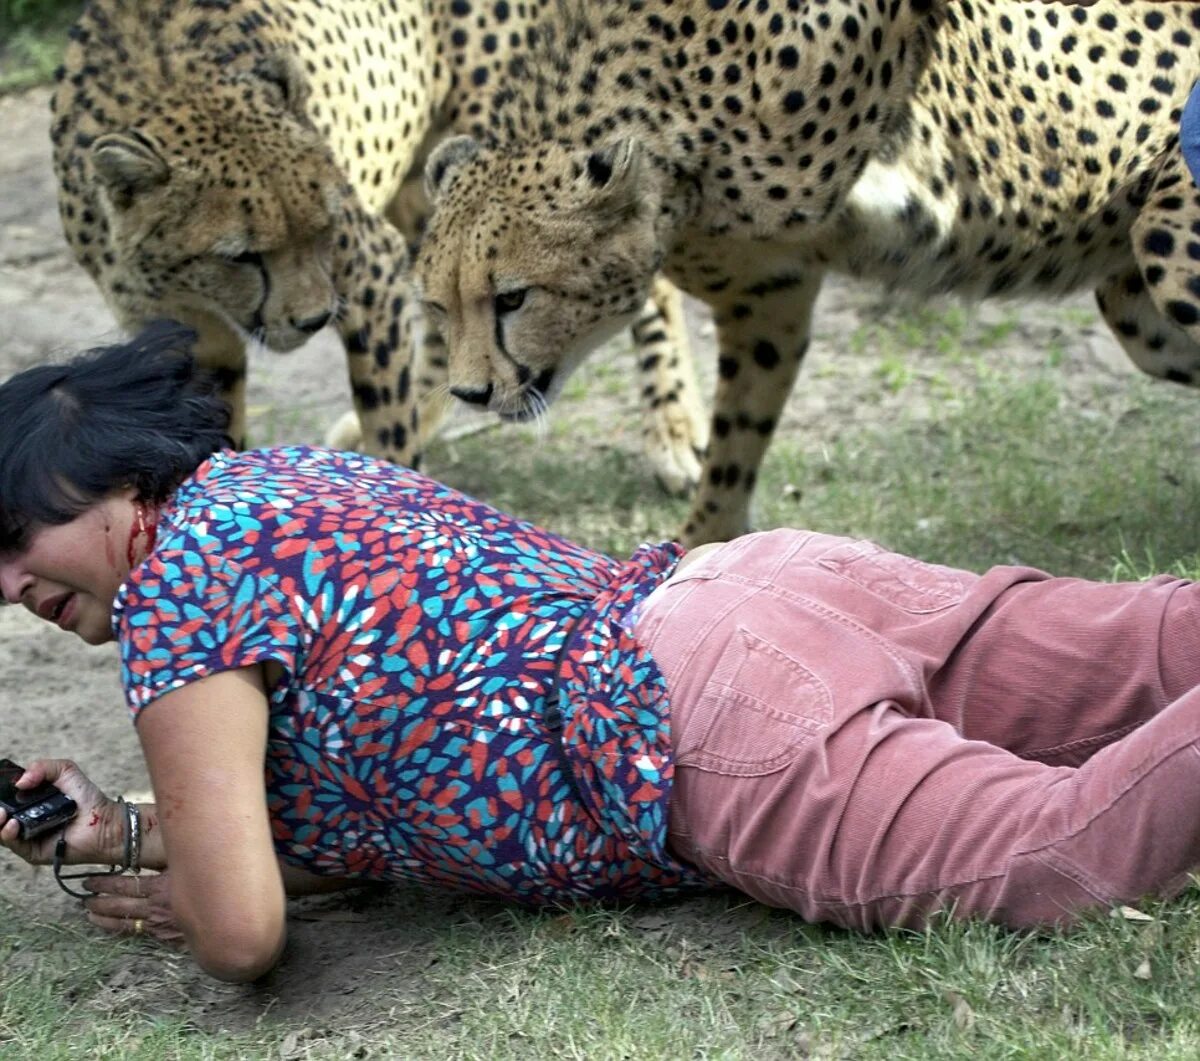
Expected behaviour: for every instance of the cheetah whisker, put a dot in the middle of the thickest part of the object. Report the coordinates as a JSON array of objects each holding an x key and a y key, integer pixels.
[
  {"x": 340, "y": 307},
  {"x": 536, "y": 404}
]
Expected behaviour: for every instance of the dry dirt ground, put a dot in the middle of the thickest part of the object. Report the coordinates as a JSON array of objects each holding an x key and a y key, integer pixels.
[{"x": 352, "y": 962}]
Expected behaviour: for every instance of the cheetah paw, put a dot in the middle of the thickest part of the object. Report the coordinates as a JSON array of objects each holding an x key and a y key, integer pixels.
[
  {"x": 346, "y": 433},
  {"x": 674, "y": 441}
]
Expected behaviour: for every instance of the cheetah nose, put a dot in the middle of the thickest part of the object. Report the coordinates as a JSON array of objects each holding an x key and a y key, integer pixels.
[
  {"x": 311, "y": 325},
  {"x": 473, "y": 395}
]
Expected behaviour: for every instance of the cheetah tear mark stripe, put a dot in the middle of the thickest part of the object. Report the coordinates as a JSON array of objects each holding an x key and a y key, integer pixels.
[{"x": 418, "y": 632}]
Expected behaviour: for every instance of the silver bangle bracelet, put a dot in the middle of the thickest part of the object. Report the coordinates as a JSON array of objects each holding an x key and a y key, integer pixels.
[
  {"x": 132, "y": 859},
  {"x": 133, "y": 838}
]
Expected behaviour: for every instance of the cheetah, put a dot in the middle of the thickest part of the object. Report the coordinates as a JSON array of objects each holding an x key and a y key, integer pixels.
[
  {"x": 238, "y": 165},
  {"x": 980, "y": 147}
]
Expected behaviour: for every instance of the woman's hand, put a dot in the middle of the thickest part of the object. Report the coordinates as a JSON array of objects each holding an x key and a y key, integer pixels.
[
  {"x": 134, "y": 906},
  {"x": 95, "y": 836}
]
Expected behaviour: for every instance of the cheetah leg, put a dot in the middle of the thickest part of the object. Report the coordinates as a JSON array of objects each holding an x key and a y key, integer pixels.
[
  {"x": 370, "y": 270},
  {"x": 763, "y": 331},
  {"x": 409, "y": 208},
  {"x": 427, "y": 350},
  {"x": 408, "y": 212},
  {"x": 1157, "y": 346},
  {"x": 431, "y": 374},
  {"x": 674, "y": 432},
  {"x": 221, "y": 355},
  {"x": 1154, "y": 308}
]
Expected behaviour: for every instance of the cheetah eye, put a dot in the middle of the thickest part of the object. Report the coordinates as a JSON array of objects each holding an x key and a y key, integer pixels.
[{"x": 508, "y": 301}]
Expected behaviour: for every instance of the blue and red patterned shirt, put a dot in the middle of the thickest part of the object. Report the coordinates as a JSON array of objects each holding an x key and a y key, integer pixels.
[{"x": 462, "y": 701}]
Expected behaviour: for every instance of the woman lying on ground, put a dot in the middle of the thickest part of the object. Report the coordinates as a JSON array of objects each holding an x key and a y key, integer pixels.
[{"x": 341, "y": 671}]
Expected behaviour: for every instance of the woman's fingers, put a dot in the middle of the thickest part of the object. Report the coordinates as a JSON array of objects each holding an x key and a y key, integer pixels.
[
  {"x": 10, "y": 837},
  {"x": 117, "y": 925},
  {"x": 45, "y": 770},
  {"x": 87, "y": 838},
  {"x": 136, "y": 885},
  {"x": 155, "y": 928},
  {"x": 119, "y": 894},
  {"x": 132, "y": 906}
]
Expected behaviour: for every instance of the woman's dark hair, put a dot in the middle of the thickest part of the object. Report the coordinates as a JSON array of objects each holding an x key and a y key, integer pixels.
[{"x": 131, "y": 414}]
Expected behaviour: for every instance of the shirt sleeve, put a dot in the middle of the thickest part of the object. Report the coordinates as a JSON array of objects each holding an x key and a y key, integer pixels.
[
  {"x": 186, "y": 614},
  {"x": 1189, "y": 133}
]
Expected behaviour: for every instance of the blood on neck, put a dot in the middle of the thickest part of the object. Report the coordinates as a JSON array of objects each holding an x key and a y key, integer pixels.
[{"x": 143, "y": 531}]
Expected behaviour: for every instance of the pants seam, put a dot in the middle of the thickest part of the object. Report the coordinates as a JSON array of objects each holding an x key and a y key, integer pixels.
[
  {"x": 1043, "y": 853},
  {"x": 1109, "y": 737},
  {"x": 1139, "y": 774},
  {"x": 840, "y": 901}
]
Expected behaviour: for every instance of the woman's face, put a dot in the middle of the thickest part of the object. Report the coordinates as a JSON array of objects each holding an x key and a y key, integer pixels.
[{"x": 68, "y": 574}]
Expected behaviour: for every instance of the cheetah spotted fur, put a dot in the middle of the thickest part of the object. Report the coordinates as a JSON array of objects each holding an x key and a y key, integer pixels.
[
  {"x": 983, "y": 147},
  {"x": 236, "y": 164}
]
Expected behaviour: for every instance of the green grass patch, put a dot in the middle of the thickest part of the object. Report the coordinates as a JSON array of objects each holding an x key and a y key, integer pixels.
[
  {"x": 708, "y": 978},
  {"x": 1001, "y": 468},
  {"x": 1007, "y": 472},
  {"x": 33, "y": 34}
]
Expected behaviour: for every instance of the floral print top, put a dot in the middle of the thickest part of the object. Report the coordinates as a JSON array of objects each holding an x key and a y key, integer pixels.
[{"x": 462, "y": 701}]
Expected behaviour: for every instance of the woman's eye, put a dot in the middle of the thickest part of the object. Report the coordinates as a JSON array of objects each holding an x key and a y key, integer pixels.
[
  {"x": 507, "y": 301},
  {"x": 245, "y": 258},
  {"x": 434, "y": 310}
]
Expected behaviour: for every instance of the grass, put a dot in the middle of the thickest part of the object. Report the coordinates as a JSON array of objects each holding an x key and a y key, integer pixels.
[
  {"x": 711, "y": 978},
  {"x": 32, "y": 35},
  {"x": 978, "y": 464}
]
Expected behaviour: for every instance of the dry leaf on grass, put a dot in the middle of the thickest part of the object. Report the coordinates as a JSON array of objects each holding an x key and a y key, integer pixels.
[
  {"x": 1131, "y": 913},
  {"x": 960, "y": 1010}
]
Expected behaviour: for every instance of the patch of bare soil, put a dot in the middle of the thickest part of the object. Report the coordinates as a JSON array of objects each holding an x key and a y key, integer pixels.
[{"x": 354, "y": 962}]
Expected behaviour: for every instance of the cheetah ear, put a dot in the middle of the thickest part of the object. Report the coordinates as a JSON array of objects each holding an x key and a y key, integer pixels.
[
  {"x": 127, "y": 164},
  {"x": 283, "y": 70},
  {"x": 610, "y": 176},
  {"x": 448, "y": 156}
]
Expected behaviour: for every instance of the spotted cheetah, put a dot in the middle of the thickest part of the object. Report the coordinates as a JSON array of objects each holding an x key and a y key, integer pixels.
[
  {"x": 984, "y": 147},
  {"x": 234, "y": 164}
]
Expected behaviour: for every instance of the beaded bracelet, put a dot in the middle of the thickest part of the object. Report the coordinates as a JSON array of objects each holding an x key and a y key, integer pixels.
[{"x": 131, "y": 860}]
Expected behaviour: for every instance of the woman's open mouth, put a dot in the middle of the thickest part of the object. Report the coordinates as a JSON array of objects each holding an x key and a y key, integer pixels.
[{"x": 60, "y": 611}]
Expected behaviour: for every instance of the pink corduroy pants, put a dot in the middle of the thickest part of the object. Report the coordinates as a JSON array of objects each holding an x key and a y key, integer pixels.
[{"x": 868, "y": 739}]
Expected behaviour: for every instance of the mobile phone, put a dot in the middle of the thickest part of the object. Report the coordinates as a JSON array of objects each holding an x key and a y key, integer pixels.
[{"x": 37, "y": 810}]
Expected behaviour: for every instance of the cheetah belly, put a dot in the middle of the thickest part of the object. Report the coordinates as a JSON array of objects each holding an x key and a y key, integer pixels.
[{"x": 892, "y": 229}]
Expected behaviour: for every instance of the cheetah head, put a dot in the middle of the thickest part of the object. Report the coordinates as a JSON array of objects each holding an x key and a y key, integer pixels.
[
  {"x": 221, "y": 200},
  {"x": 531, "y": 260}
]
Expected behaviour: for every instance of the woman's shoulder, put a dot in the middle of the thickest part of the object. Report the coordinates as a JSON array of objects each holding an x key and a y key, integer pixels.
[
  {"x": 290, "y": 477},
  {"x": 312, "y": 495},
  {"x": 295, "y": 467}
]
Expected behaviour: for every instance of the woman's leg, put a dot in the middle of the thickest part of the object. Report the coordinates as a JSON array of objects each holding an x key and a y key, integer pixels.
[
  {"x": 1049, "y": 668},
  {"x": 813, "y": 770},
  {"x": 1056, "y": 669},
  {"x": 886, "y": 820}
]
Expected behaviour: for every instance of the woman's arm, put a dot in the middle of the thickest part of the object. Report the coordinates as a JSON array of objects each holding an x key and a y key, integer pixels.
[
  {"x": 131, "y": 905},
  {"x": 204, "y": 745}
]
